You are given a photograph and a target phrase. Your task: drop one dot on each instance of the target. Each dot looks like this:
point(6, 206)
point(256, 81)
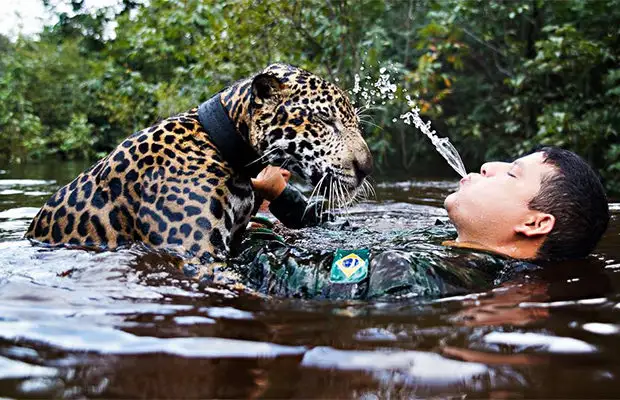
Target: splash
point(381, 90)
point(442, 145)
point(369, 93)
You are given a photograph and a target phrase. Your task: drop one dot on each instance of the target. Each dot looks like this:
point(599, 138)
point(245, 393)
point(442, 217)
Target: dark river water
point(123, 324)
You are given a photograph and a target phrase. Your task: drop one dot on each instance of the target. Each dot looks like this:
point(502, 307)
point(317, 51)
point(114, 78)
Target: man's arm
point(292, 209)
point(287, 204)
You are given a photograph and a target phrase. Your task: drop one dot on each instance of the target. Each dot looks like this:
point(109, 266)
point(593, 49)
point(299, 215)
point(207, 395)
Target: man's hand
point(271, 181)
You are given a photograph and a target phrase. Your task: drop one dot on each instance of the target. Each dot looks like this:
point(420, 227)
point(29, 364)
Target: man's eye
point(511, 175)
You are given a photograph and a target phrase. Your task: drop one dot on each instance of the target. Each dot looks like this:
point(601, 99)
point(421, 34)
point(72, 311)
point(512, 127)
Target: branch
point(494, 49)
point(482, 42)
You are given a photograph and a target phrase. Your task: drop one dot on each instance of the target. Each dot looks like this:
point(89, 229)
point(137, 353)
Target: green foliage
point(20, 128)
point(75, 140)
point(497, 77)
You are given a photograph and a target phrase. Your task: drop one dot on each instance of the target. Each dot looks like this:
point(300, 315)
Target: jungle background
point(496, 77)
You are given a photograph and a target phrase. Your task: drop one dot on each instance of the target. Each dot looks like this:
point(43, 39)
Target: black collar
point(236, 151)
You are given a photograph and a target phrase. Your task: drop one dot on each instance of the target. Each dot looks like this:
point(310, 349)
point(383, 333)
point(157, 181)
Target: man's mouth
point(467, 179)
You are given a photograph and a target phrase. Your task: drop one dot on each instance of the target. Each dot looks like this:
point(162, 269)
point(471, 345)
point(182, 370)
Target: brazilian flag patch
point(349, 266)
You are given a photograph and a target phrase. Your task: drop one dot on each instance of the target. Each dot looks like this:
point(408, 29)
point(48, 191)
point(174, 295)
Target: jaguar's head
point(307, 125)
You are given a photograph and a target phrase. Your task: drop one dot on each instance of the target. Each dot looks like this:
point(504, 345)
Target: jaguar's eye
point(328, 119)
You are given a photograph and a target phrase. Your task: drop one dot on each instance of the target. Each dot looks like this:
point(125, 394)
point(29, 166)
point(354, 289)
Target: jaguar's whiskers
point(264, 156)
point(333, 194)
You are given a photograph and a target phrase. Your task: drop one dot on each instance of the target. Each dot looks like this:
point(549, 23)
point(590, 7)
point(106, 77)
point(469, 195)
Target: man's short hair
point(575, 196)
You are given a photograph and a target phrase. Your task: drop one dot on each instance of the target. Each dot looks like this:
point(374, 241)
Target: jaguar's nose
point(362, 165)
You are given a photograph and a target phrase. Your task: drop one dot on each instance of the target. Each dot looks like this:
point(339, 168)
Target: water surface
point(75, 323)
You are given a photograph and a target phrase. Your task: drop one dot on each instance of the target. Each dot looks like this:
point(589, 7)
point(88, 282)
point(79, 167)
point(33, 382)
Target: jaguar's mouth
point(348, 182)
point(335, 187)
point(340, 191)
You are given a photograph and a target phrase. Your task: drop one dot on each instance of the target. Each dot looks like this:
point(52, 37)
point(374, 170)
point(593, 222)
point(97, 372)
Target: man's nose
point(492, 168)
point(485, 169)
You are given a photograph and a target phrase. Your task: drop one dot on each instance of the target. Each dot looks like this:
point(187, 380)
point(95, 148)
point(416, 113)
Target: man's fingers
point(271, 172)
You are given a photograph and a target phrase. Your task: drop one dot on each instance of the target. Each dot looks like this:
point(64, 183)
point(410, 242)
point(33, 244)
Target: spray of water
point(442, 145)
point(383, 90)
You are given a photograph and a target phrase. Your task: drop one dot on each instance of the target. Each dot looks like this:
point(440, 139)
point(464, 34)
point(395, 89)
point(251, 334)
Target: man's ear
point(536, 224)
point(265, 87)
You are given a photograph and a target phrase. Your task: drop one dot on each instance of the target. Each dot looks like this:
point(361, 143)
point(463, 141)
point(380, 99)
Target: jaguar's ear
point(265, 87)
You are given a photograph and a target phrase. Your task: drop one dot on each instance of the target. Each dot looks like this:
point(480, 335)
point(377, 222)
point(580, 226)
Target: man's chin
point(450, 201)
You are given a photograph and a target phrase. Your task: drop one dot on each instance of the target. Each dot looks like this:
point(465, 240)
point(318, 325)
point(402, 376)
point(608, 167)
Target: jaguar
point(185, 183)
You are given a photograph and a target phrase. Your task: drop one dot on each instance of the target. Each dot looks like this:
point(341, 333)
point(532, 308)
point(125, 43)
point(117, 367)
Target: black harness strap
point(236, 151)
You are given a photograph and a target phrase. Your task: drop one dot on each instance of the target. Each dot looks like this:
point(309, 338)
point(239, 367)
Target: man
point(546, 206)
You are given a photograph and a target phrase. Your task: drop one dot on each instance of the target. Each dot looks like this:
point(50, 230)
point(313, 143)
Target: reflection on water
point(76, 323)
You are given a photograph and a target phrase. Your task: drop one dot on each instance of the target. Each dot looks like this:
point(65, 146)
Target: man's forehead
point(535, 162)
point(536, 158)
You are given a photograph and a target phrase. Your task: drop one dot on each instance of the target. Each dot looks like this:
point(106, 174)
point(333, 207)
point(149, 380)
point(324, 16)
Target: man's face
point(488, 206)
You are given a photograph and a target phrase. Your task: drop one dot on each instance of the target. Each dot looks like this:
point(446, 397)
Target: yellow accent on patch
point(355, 263)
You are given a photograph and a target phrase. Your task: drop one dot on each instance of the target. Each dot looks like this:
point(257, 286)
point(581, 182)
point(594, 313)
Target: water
point(125, 324)
point(368, 93)
point(442, 145)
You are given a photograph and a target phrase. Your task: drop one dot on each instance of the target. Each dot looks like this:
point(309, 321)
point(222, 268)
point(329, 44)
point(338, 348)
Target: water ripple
point(112, 341)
